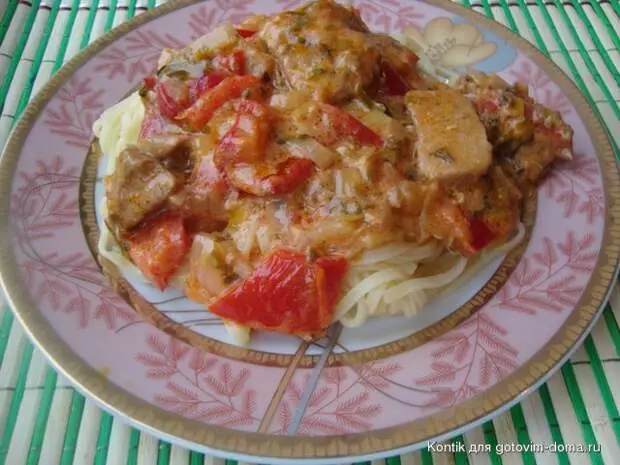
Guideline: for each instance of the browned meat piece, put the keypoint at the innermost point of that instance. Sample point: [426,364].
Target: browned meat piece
[322,49]
[500,107]
[328,11]
[452,141]
[526,135]
[401,59]
[444,211]
[165,145]
[173,150]
[139,185]
[202,199]
[532,160]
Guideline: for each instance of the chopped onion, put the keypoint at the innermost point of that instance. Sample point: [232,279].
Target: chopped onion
[330,229]
[218,37]
[384,125]
[352,181]
[339,183]
[245,235]
[204,265]
[263,237]
[393,196]
[312,150]
[239,334]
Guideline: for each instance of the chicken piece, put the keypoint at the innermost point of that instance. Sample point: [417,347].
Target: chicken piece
[452,141]
[323,48]
[139,185]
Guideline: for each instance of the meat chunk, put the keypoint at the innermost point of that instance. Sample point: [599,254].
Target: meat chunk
[322,48]
[532,160]
[527,137]
[399,58]
[164,146]
[173,150]
[139,185]
[452,141]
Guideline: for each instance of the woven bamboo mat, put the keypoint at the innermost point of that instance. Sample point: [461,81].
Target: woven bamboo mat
[44,421]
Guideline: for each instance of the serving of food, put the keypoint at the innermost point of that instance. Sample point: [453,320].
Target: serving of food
[325,234]
[298,169]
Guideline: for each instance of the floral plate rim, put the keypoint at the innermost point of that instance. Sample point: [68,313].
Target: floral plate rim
[314,450]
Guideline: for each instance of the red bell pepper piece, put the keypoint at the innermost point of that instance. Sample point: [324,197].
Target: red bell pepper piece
[263,179]
[245,33]
[199,86]
[200,112]
[159,247]
[234,63]
[286,293]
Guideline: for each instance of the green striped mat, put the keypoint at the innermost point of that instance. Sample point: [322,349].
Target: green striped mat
[44,421]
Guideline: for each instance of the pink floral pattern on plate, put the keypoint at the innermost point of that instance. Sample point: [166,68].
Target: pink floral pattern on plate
[198,385]
[64,279]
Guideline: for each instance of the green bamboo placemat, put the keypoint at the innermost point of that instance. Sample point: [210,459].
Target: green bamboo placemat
[44,421]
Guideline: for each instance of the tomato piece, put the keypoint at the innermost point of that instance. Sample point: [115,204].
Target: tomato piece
[172,97]
[286,293]
[200,112]
[159,247]
[394,82]
[245,33]
[246,140]
[233,63]
[263,179]
[481,235]
[340,124]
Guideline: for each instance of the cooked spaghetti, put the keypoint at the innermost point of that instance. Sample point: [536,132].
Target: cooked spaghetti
[299,169]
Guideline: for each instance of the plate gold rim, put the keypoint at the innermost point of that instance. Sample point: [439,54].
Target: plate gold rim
[224,441]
